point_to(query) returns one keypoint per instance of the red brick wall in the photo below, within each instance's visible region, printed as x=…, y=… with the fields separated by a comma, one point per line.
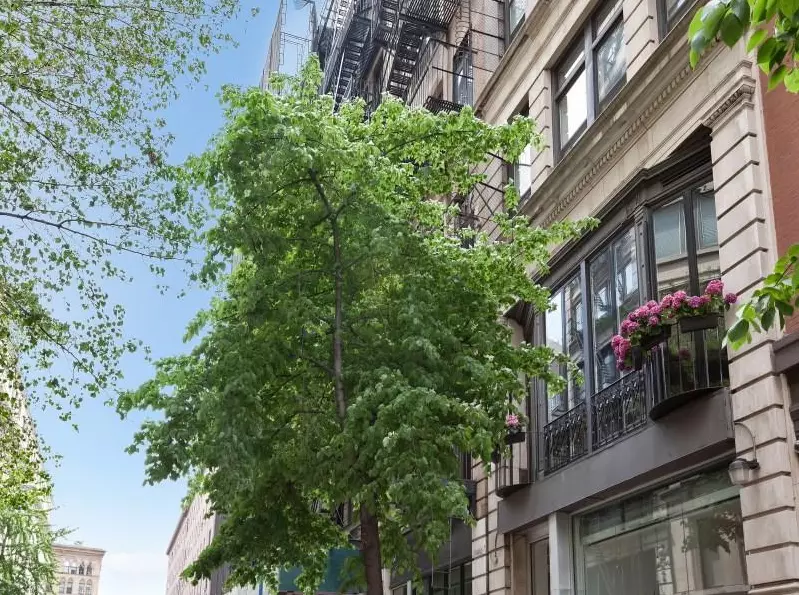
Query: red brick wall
x=781, y=113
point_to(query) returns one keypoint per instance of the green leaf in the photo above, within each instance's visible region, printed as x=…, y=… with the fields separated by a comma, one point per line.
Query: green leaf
x=696, y=23
x=758, y=11
x=765, y=52
x=755, y=39
x=788, y=7
x=731, y=29
x=791, y=80
x=767, y=317
x=785, y=308
x=776, y=77
x=738, y=331
x=741, y=10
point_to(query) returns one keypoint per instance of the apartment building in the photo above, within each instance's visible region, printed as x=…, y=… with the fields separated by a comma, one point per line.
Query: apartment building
x=78, y=569
x=193, y=533
x=622, y=485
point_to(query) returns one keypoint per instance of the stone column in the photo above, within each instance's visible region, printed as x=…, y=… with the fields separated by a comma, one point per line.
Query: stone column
x=759, y=400
x=640, y=32
x=561, y=569
x=540, y=101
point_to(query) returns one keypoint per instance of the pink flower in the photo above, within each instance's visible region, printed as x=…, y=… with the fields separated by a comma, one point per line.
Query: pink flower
x=641, y=313
x=655, y=310
x=694, y=301
x=679, y=297
x=730, y=298
x=651, y=304
x=512, y=420
x=654, y=321
x=667, y=300
x=715, y=287
x=704, y=300
x=617, y=338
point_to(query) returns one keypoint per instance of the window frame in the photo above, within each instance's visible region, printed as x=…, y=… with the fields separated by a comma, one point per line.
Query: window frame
x=512, y=169
x=664, y=25
x=589, y=40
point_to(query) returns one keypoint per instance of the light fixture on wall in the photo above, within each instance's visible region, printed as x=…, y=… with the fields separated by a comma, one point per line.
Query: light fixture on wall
x=742, y=470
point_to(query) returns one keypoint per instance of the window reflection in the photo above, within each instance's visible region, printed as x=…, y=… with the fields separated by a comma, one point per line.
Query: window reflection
x=686, y=538
x=564, y=334
x=614, y=294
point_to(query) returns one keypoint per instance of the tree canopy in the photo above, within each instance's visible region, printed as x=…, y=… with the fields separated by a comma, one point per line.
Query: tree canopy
x=358, y=344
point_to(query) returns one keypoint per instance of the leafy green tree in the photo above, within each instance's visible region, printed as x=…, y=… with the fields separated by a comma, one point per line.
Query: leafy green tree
x=83, y=178
x=358, y=343
x=772, y=28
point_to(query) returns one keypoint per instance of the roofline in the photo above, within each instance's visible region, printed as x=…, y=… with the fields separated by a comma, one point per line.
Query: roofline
x=83, y=548
x=181, y=520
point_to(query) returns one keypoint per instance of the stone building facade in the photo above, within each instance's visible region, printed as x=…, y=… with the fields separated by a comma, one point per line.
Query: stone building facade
x=195, y=530
x=621, y=486
x=78, y=569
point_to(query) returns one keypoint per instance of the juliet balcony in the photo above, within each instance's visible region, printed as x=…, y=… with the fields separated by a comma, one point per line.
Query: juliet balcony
x=687, y=364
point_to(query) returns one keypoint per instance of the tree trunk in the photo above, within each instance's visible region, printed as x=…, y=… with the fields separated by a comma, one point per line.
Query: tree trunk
x=338, y=346
x=370, y=552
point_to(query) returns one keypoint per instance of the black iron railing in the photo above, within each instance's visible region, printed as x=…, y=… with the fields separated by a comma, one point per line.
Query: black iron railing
x=566, y=438
x=619, y=409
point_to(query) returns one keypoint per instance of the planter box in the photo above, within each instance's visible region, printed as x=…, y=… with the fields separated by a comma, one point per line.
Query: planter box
x=704, y=322
x=516, y=437
x=650, y=341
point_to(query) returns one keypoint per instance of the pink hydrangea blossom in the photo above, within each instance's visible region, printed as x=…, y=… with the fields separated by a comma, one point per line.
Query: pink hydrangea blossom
x=641, y=313
x=616, y=339
x=655, y=310
x=512, y=420
x=679, y=297
x=651, y=304
x=654, y=321
x=730, y=298
x=704, y=300
x=667, y=300
x=694, y=301
x=715, y=287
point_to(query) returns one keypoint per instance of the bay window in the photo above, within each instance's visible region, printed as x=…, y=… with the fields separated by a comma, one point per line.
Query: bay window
x=590, y=74
x=564, y=332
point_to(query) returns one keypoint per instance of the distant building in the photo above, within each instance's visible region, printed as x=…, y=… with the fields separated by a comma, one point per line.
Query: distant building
x=194, y=532
x=290, y=43
x=78, y=569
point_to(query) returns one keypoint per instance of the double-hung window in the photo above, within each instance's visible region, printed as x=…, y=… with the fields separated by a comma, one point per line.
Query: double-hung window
x=590, y=74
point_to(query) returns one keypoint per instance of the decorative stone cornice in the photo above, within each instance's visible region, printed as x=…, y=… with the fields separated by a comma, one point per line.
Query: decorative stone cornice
x=627, y=135
x=740, y=95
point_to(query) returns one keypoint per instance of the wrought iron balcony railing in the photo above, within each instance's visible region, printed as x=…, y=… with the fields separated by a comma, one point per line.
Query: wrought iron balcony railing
x=566, y=438
x=619, y=409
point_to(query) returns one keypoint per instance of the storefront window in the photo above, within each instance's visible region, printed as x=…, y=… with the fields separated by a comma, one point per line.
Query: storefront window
x=685, y=538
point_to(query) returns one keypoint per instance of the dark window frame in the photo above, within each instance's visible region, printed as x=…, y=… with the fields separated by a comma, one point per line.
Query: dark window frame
x=665, y=26
x=590, y=40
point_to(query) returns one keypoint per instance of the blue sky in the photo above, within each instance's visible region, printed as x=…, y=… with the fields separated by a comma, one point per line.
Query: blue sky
x=98, y=487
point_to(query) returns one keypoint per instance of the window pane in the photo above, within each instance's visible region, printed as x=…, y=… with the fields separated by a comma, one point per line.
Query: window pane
x=628, y=298
x=673, y=10
x=574, y=328
x=610, y=61
x=604, y=320
x=522, y=171
x=606, y=13
x=573, y=109
x=571, y=63
x=556, y=342
x=705, y=214
x=516, y=9
x=674, y=540
x=668, y=223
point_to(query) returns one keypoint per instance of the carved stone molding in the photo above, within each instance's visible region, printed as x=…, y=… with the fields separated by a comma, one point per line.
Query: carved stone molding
x=740, y=95
x=630, y=133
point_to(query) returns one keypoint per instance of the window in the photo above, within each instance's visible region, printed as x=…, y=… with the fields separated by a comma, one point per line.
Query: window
x=88, y=587
x=671, y=11
x=686, y=242
x=73, y=568
x=521, y=171
x=69, y=586
x=81, y=568
x=81, y=588
x=614, y=294
x=515, y=10
x=462, y=75
x=564, y=333
x=590, y=74
x=62, y=584
x=685, y=538
x=89, y=569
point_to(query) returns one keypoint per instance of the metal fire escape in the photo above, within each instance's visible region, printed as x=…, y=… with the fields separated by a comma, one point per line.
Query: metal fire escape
x=419, y=20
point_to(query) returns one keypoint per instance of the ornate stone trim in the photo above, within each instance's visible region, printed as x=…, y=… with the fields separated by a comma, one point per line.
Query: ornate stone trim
x=626, y=136
x=741, y=94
